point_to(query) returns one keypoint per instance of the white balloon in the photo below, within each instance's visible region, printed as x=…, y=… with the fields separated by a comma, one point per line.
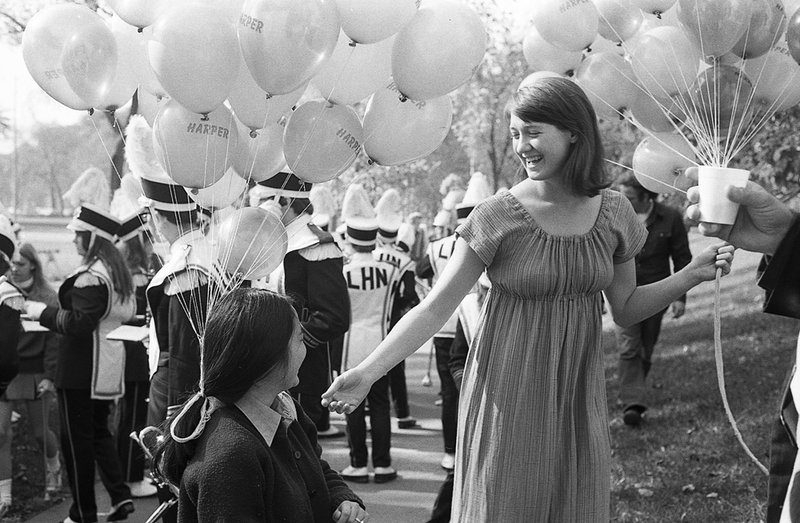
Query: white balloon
x=541, y=55
x=125, y=81
x=139, y=13
x=133, y=55
x=226, y=191
x=260, y=157
x=370, y=21
x=656, y=7
x=568, y=25
x=250, y=104
x=398, y=132
x=353, y=72
x=775, y=77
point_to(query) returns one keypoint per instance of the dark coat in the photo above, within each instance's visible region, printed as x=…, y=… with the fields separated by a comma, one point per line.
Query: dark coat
x=235, y=476
x=320, y=292
x=781, y=280
x=38, y=351
x=82, y=306
x=666, y=239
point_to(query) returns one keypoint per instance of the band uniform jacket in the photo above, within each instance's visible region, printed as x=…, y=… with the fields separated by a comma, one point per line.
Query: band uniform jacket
x=404, y=293
x=11, y=306
x=178, y=298
x=369, y=284
x=88, y=310
x=436, y=257
x=311, y=274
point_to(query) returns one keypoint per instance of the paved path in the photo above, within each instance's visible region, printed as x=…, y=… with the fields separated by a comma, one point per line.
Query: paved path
x=416, y=454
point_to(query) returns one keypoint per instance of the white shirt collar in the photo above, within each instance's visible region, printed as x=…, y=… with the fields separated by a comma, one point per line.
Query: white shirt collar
x=267, y=418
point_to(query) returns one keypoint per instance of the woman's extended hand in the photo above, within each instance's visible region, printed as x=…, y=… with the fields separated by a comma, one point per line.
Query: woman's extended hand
x=347, y=391
x=350, y=512
x=717, y=256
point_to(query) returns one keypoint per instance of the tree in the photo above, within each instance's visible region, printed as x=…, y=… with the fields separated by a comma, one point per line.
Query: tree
x=51, y=161
x=479, y=123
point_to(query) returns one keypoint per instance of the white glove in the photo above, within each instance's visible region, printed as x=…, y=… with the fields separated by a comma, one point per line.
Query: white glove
x=34, y=309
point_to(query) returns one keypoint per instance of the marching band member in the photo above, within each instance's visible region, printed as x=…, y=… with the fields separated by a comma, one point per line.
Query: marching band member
x=96, y=298
x=311, y=273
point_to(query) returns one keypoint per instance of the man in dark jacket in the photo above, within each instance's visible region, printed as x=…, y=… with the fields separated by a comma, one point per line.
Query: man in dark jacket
x=666, y=239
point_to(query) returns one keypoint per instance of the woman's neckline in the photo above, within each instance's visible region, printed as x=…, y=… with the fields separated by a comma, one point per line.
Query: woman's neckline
x=535, y=225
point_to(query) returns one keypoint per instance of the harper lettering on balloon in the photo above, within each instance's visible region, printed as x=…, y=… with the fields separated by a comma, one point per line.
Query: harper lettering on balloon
x=569, y=4
x=251, y=23
x=348, y=139
x=204, y=128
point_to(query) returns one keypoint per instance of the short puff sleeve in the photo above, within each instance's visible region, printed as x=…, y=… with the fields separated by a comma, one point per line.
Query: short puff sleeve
x=630, y=233
x=485, y=227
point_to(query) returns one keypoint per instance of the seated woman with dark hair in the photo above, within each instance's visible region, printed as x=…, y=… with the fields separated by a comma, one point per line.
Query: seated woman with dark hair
x=241, y=449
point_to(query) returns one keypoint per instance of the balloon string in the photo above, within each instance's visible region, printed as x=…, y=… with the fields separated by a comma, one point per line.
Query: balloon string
x=721, y=377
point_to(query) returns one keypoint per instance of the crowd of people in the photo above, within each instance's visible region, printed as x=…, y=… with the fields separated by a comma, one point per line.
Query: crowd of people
x=243, y=390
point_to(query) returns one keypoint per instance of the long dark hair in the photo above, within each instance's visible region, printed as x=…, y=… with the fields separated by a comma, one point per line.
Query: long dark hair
x=40, y=283
x=562, y=103
x=135, y=254
x=247, y=335
x=102, y=249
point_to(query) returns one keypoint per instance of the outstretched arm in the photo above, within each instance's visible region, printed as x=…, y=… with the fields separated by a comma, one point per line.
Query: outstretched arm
x=411, y=332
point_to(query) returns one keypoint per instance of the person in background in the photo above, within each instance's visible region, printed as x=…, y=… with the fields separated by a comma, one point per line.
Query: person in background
x=11, y=306
x=432, y=266
x=468, y=315
x=96, y=298
x=534, y=378
x=177, y=295
x=404, y=293
x=416, y=250
x=311, y=273
x=241, y=449
x=369, y=285
x=667, y=240
x=34, y=386
x=766, y=225
x=137, y=252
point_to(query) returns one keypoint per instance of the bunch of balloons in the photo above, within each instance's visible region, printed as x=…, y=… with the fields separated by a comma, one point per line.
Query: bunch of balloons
x=248, y=88
x=699, y=77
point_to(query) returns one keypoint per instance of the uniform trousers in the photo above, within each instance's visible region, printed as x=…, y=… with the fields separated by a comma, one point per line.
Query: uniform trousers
x=86, y=440
x=380, y=428
x=449, y=393
x=132, y=418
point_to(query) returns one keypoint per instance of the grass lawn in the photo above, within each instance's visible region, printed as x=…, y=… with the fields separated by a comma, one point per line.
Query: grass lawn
x=684, y=463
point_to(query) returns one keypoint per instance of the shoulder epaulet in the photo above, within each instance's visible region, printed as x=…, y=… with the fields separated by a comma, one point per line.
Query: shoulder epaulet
x=184, y=281
x=11, y=296
x=87, y=279
x=321, y=252
x=324, y=236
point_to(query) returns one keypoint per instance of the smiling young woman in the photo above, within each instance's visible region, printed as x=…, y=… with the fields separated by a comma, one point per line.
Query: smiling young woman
x=533, y=436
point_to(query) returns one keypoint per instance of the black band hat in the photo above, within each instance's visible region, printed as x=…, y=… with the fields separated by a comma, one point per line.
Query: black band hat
x=132, y=226
x=91, y=218
x=285, y=184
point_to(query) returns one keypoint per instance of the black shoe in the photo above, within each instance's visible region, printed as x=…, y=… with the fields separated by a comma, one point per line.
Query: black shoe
x=406, y=423
x=385, y=474
x=120, y=511
x=632, y=416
